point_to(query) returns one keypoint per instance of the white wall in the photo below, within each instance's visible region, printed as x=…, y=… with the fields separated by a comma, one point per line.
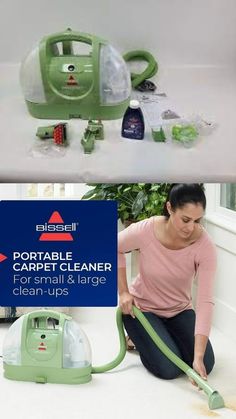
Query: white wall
x=177, y=31
x=221, y=225
x=18, y=191
x=8, y=191
x=225, y=284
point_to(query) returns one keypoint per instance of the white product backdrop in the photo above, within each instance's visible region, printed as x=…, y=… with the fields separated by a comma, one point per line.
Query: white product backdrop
x=194, y=43
x=180, y=32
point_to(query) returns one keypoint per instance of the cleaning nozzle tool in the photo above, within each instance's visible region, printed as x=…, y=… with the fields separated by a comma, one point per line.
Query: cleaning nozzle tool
x=94, y=131
x=57, y=132
x=215, y=400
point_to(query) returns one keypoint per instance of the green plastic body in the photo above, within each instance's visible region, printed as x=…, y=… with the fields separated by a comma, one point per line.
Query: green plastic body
x=42, y=352
x=44, y=375
x=45, y=132
x=158, y=135
x=72, y=94
x=94, y=131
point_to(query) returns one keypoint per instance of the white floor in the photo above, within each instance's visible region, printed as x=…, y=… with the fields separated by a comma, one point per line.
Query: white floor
x=129, y=391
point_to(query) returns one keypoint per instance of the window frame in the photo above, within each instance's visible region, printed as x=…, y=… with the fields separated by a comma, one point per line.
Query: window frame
x=215, y=213
x=73, y=191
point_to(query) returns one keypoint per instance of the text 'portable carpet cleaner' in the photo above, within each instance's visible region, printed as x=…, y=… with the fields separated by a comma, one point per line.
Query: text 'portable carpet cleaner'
x=47, y=346
x=60, y=82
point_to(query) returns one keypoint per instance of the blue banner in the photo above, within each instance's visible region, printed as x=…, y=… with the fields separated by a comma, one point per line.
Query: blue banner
x=58, y=253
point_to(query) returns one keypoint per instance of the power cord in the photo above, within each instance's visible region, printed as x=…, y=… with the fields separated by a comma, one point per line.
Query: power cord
x=146, y=86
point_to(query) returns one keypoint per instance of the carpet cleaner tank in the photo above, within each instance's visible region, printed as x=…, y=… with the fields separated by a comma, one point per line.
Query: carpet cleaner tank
x=47, y=346
x=60, y=82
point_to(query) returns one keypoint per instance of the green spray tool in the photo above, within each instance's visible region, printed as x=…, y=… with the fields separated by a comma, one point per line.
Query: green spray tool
x=94, y=131
x=47, y=346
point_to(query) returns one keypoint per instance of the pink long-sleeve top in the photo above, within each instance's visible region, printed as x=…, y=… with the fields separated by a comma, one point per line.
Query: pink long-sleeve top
x=164, y=282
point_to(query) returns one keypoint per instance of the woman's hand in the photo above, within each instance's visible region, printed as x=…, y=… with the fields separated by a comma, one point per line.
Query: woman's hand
x=199, y=367
x=126, y=302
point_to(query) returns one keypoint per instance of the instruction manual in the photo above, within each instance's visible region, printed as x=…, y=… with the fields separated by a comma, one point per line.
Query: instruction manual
x=157, y=108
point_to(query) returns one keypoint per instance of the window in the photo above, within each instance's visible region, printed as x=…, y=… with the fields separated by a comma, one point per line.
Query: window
x=52, y=190
x=228, y=196
x=45, y=190
x=221, y=205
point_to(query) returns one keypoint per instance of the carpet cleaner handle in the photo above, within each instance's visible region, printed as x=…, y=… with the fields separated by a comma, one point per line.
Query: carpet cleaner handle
x=68, y=36
x=41, y=318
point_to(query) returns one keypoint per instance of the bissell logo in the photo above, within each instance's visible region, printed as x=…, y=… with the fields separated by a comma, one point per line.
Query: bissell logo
x=55, y=229
x=71, y=81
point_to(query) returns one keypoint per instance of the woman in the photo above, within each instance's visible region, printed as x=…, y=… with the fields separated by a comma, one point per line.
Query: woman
x=172, y=249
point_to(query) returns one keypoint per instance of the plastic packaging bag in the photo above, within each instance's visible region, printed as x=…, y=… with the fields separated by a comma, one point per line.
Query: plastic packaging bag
x=45, y=149
x=183, y=131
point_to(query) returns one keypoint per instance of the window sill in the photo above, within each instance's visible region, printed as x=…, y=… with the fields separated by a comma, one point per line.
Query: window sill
x=221, y=221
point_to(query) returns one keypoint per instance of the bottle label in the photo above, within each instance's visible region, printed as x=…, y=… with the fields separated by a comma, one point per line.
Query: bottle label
x=133, y=128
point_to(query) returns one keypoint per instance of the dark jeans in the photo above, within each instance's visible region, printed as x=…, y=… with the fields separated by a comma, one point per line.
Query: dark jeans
x=178, y=334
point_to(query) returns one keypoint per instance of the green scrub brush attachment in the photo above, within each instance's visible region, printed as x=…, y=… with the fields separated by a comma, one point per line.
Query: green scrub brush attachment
x=57, y=132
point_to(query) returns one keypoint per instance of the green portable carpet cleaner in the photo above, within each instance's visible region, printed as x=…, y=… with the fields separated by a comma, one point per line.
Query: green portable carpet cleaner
x=47, y=346
x=60, y=82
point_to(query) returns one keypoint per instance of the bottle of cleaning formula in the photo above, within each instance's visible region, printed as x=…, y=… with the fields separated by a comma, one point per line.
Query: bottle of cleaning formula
x=133, y=122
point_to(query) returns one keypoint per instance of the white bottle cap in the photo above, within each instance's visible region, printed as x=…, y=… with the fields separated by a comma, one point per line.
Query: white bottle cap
x=134, y=104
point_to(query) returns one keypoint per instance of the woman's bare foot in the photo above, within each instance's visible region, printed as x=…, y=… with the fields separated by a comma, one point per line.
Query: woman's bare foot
x=130, y=346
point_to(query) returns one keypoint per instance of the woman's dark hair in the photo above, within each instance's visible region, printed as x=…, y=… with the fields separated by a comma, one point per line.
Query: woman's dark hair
x=181, y=194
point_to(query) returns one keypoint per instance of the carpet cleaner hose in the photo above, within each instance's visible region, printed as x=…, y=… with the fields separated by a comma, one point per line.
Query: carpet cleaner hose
x=121, y=355
x=150, y=70
x=215, y=400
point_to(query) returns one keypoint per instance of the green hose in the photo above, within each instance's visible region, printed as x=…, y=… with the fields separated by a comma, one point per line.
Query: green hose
x=151, y=69
x=121, y=355
x=215, y=400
